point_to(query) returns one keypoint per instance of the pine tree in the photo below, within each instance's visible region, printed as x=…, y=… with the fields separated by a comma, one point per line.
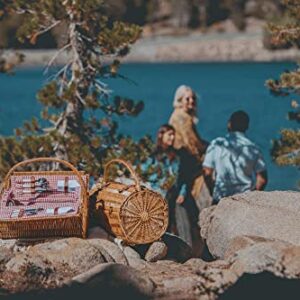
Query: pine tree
x=76, y=93
x=286, y=149
x=237, y=12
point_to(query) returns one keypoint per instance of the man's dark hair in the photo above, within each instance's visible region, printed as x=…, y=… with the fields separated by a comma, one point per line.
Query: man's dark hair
x=239, y=121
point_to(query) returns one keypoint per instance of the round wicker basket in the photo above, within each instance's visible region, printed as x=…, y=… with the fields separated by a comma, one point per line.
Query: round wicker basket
x=132, y=213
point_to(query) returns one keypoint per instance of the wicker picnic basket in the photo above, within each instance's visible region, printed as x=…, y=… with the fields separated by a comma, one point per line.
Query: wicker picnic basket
x=68, y=224
x=132, y=213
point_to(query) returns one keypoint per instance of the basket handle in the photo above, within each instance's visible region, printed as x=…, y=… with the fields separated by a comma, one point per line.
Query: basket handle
x=6, y=181
x=127, y=165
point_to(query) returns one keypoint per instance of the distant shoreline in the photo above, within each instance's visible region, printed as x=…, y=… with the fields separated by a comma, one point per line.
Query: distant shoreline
x=213, y=47
x=197, y=47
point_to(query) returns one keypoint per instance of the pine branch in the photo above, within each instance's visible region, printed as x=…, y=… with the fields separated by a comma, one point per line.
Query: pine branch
x=51, y=61
x=46, y=29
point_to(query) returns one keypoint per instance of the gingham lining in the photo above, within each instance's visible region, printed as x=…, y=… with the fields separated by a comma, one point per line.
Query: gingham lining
x=45, y=200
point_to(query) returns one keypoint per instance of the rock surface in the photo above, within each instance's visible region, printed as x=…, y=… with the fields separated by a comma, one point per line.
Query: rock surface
x=192, y=47
x=267, y=215
x=133, y=257
x=157, y=251
x=115, y=281
x=255, y=256
x=256, y=233
x=277, y=257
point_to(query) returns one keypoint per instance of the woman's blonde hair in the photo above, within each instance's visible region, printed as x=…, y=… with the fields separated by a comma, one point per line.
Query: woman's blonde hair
x=179, y=94
x=181, y=90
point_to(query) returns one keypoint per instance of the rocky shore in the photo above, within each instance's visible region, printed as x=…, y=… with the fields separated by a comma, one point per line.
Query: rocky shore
x=213, y=47
x=192, y=47
x=254, y=237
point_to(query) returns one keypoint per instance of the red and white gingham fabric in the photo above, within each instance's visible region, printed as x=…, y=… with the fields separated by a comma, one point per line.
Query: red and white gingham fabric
x=53, y=199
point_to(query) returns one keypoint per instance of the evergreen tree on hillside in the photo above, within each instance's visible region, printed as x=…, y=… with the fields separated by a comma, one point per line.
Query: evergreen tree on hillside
x=286, y=149
x=237, y=12
x=76, y=95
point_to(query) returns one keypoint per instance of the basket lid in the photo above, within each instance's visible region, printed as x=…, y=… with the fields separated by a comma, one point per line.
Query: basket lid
x=144, y=217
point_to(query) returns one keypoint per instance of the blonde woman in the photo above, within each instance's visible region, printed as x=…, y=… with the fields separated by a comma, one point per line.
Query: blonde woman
x=184, y=120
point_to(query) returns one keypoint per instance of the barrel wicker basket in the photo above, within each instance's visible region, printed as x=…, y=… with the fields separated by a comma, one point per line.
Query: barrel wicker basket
x=73, y=222
x=132, y=213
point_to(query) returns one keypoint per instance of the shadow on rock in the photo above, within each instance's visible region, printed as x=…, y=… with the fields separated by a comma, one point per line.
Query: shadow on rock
x=261, y=287
x=178, y=249
x=106, y=281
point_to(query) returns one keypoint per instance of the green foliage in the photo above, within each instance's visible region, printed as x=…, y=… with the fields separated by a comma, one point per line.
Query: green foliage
x=78, y=108
x=115, y=40
x=286, y=150
x=16, y=149
x=7, y=64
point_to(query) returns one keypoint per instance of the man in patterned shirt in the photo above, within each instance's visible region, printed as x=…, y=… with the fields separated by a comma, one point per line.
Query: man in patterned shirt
x=234, y=164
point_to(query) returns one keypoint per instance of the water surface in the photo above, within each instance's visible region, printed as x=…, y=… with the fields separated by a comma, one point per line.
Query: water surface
x=222, y=88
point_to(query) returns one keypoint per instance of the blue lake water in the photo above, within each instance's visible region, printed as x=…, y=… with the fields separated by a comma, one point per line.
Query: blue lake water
x=222, y=87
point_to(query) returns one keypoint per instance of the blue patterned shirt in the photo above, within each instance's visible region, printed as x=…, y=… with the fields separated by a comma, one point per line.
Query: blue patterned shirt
x=236, y=161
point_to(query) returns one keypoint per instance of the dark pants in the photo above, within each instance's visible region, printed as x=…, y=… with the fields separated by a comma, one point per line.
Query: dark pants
x=183, y=220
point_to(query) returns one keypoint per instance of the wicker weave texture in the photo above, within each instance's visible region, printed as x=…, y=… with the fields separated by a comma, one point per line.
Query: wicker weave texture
x=134, y=214
x=40, y=226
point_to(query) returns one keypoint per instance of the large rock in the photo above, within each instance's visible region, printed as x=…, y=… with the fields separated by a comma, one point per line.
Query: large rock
x=77, y=254
x=255, y=234
x=8, y=244
x=5, y=255
x=195, y=279
x=19, y=262
x=25, y=274
x=104, y=281
x=259, y=215
x=133, y=257
x=279, y=258
x=106, y=246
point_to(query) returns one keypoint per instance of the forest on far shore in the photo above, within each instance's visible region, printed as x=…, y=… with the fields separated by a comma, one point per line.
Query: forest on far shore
x=155, y=15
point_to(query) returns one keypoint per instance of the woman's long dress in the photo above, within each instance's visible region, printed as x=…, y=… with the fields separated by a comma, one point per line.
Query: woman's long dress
x=187, y=137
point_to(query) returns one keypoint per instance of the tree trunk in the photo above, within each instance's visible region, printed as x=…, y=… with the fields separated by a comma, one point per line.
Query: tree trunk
x=181, y=13
x=203, y=14
x=73, y=119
